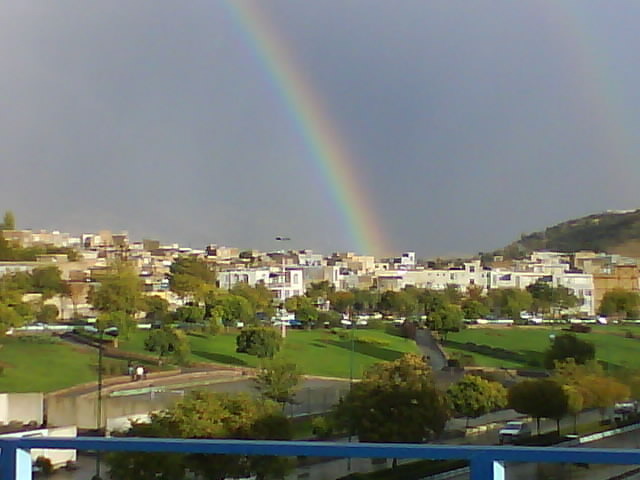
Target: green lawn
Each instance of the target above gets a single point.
(316, 352)
(527, 344)
(32, 366)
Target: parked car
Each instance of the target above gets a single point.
(624, 411)
(514, 431)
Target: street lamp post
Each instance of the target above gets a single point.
(283, 325)
(99, 402)
(113, 332)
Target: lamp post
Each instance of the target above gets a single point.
(352, 326)
(113, 332)
(283, 325)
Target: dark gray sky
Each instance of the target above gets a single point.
(470, 122)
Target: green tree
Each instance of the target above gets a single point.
(448, 319)
(120, 290)
(564, 299)
(48, 313)
(620, 302)
(342, 301)
(320, 290)
(207, 415)
(575, 404)
(395, 402)
(401, 303)
(9, 221)
(124, 322)
(330, 318)
(165, 341)
(474, 309)
(510, 302)
(567, 346)
(189, 274)
(189, 314)
(542, 295)
(9, 318)
(539, 398)
(259, 341)
(278, 380)
(589, 380)
(232, 309)
(48, 281)
(157, 309)
(306, 312)
(260, 298)
(452, 294)
(474, 396)
(365, 301)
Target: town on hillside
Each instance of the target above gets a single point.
(102, 334)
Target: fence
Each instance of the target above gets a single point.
(486, 462)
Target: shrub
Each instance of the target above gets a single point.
(44, 464)
(373, 341)
(322, 427)
(580, 328)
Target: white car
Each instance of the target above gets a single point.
(513, 431)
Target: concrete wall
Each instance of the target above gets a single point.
(81, 411)
(21, 407)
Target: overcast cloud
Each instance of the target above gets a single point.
(470, 122)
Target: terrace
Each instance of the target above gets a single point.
(486, 462)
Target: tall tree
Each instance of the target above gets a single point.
(510, 302)
(395, 402)
(8, 221)
(260, 298)
(9, 318)
(120, 290)
(168, 341)
(233, 309)
(207, 415)
(567, 346)
(539, 398)
(278, 380)
(448, 319)
(259, 341)
(48, 281)
(189, 274)
(620, 302)
(542, 295)
(474, 396)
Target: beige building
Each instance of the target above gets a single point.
(626, 277)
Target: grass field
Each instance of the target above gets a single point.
(34, 366)
(527, 344)
(316, 352)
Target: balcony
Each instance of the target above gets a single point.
(486, 462)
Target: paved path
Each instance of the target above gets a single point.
(429, 348)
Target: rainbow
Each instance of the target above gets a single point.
(328, 152)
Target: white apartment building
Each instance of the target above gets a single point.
(251, 276)
(283, 283)
(286, 283)
(306, 258)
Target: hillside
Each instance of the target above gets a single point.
(612, 232)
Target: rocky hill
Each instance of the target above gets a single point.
(612, 232)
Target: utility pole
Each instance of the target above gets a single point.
(99, 403)
(283, 325)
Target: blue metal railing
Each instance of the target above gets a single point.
(486, 462)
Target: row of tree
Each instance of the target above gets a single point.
(15, 311)
(396, 401)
